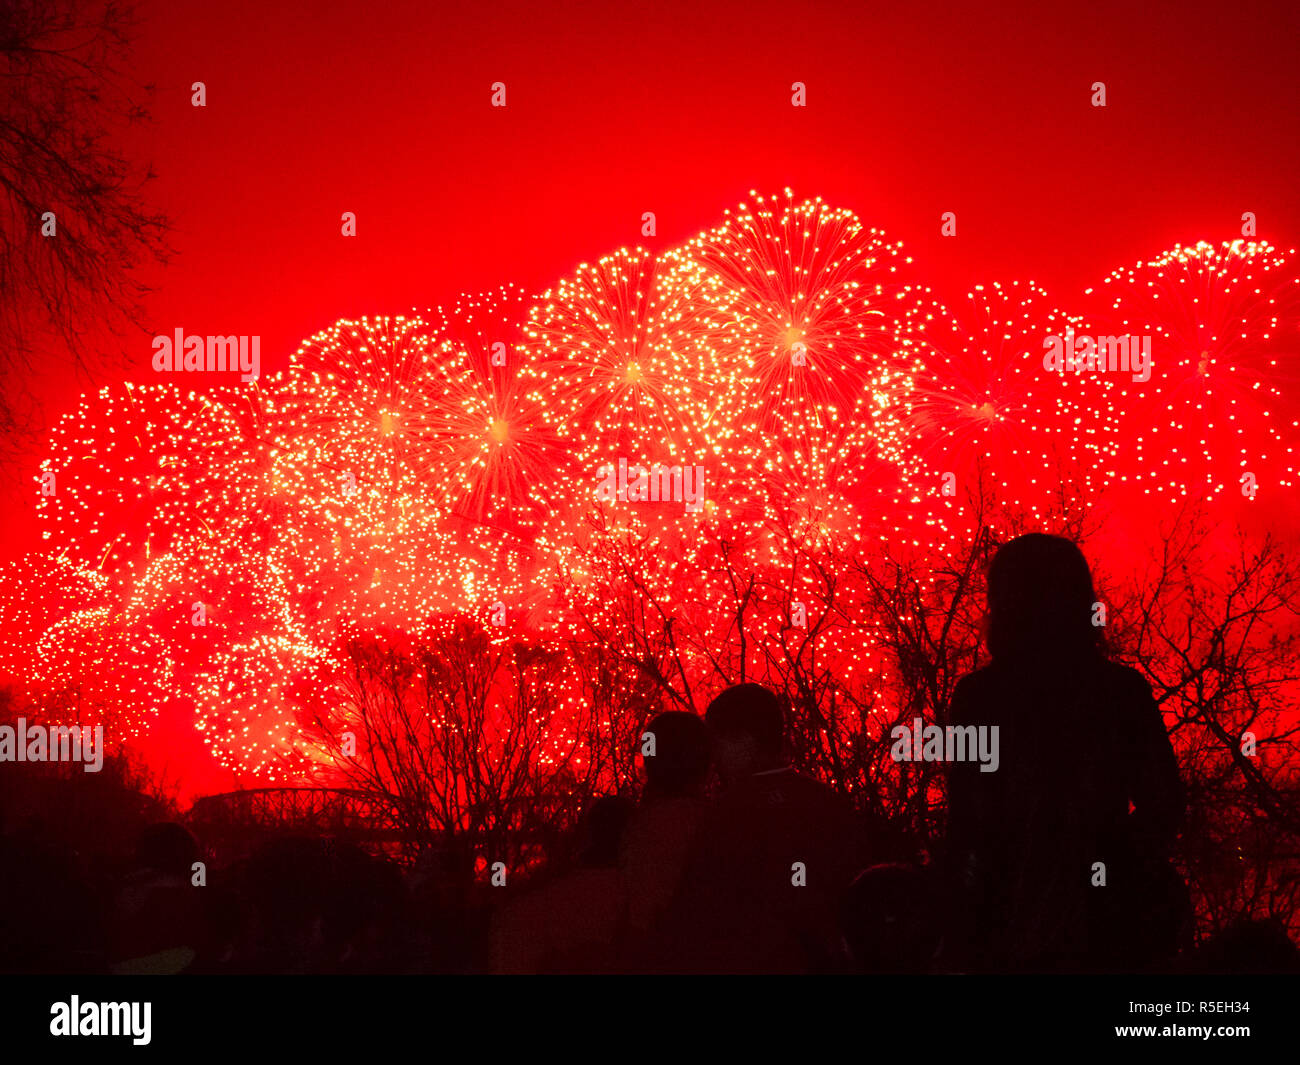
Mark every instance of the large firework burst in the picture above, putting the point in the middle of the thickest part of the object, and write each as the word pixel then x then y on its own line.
pixel 137 466
pixel 813 294
pixel 424 473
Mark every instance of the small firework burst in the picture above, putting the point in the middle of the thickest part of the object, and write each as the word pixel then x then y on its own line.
pixel 617 359
pixel 36 592
pixel 358 402
pixel 101 671
pixel 504 460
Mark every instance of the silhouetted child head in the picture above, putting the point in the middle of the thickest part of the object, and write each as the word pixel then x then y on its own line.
pixel 748 728
pixel 1040 599
pixel 890 921
pixel 679 766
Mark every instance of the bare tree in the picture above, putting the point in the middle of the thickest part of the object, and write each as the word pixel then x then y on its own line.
pixel 465 741
pixel 74 224
pixel 1218 635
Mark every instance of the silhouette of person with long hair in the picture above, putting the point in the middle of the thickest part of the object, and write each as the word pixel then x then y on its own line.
pixel 1058 859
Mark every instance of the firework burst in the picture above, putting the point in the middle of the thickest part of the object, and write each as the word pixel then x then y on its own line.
pixel 1224 322
pixel 813 294
pixel 357 412
pixel 138 466
pixel 987 415
pixel 248 704
pixel 504 460
pixel 619 358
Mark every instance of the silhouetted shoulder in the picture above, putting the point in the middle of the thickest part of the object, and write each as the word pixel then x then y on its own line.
pixel 974 691
pixel 1130 698
pixel 992 678
pixel 1126 679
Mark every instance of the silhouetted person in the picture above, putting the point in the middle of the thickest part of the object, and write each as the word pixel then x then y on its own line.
pixel 158 912
pixel 222 931
pixel 1081 744
pixel 451 930
pixel 663 828
pixel 891 920
pixel 762 888
pixel 289 882
pixel 52 915
pixel 575 922
pixel 1246 947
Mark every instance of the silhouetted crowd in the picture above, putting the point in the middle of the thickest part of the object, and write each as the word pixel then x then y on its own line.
pixel 730 861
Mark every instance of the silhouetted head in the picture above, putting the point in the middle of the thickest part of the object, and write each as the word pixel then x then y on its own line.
pixel 601 830
pixel 1040 599
pixel 167 848
pixel 680 763
pixel 748 727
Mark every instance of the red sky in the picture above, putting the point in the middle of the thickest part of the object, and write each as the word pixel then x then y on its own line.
pixel 616 109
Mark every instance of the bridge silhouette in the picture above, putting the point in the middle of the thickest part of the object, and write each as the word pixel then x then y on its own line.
pixel 232 824
pixel 244 817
